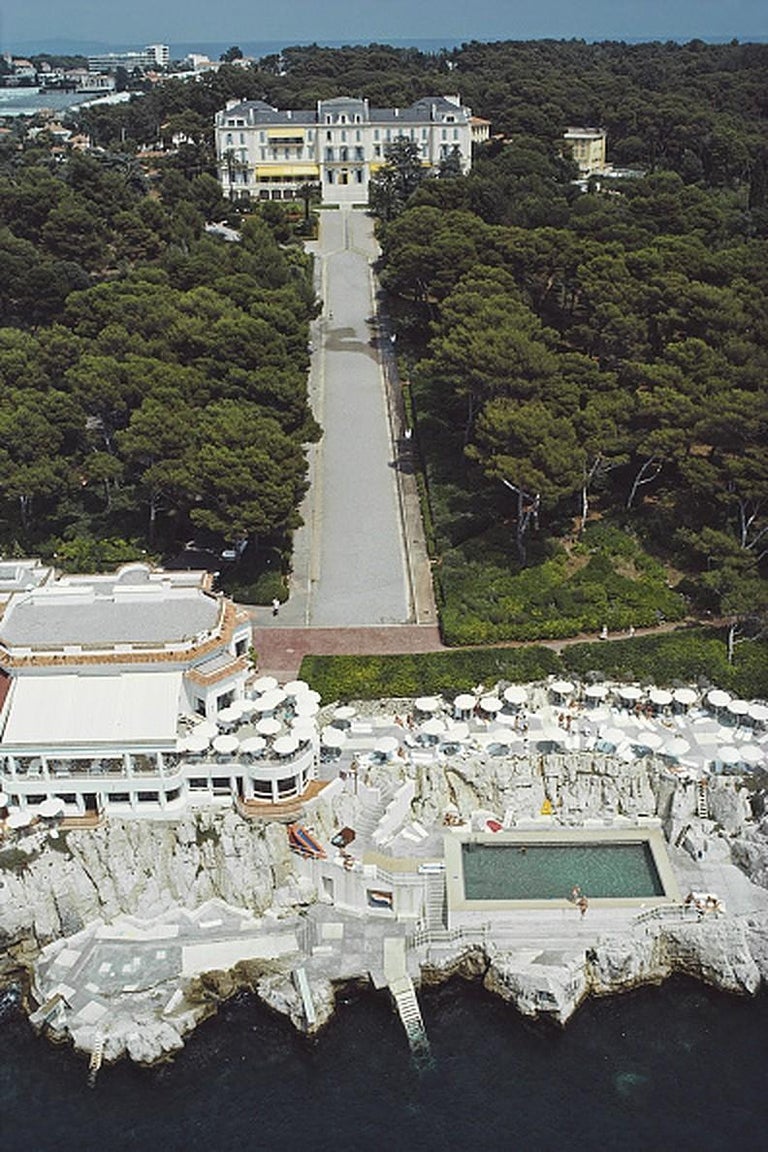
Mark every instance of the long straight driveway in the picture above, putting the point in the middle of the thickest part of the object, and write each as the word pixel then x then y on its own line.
pixel 349 564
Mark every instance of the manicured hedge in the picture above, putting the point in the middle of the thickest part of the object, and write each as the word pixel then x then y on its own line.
pixel 685 656
pixel 369 677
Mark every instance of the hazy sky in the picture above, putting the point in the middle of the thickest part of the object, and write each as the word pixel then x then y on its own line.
pixel 137 22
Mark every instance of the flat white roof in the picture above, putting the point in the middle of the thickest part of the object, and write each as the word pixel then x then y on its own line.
pixel 66 709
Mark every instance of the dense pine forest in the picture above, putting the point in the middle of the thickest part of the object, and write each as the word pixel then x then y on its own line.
pixel 585 368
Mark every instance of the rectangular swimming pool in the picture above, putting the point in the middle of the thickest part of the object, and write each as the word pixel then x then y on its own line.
pixel 490 874
pixel 534 871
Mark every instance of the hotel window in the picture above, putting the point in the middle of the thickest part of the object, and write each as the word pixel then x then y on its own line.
pixel 329 135
pixel 376 134
pixel 119 797
pixel 200 707
pixel 242 137
pixel 358 135
pixel 229 139
pixel 343 136
pixel 262 137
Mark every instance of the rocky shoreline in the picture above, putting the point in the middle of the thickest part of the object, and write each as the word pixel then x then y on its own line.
pixel 131 934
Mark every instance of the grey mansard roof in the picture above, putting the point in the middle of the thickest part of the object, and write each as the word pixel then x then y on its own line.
pixel 428 109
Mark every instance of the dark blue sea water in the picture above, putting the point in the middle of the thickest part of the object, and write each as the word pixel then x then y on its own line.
pixel 678 1067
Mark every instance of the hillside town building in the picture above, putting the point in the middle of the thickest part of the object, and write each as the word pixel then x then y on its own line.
pixel 152 57
pixel 587 146
pixel 267 154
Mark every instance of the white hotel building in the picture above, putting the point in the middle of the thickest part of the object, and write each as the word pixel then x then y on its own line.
pixel 266 154
pixel 103 682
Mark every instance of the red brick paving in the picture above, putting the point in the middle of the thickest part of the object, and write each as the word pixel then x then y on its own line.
pixel 281 650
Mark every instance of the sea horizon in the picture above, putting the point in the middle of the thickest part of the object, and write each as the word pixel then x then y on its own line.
pixel 261 48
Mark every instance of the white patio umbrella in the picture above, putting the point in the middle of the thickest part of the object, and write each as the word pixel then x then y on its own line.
pixel 456 733
pixel 464 702
pixel 386 745
pixel 18 820
pixel 728 754
pixel 630 692
pixel 758 713
pixel 228 715
pixel 717 698
pixel 269 726
pixel 273 698
pixel 660 697
pixel 433 727
pixel 253 745
pixel 205 728
pixel 684 696
pixel 306 708
pixel 751 754
pixel 197 743
pixel 426 704
pixel 305 724
pixel 345 713
pixel 285 745
pixel 3 800
pixel 491 704
pixel 515 694
pixel 225 744
pixel 596 691
pixel 264 684
pixel 295 687
pixel 738 707
pixel 675 747
pixel 51 808
pixel 332 737
pixel 562 687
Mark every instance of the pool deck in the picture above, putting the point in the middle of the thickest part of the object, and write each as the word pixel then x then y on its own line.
pixel 653 837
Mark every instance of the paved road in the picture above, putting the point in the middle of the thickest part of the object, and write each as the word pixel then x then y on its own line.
pixel 350 563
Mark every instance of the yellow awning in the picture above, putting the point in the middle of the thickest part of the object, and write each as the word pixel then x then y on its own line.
pixel 285 133
pixel 287 171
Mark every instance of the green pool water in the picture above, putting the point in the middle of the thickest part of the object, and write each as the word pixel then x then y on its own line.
pixel 551 871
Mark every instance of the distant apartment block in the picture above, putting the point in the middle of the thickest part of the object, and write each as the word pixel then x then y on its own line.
pixel 267 154
pixel 587 146
pixel 153 56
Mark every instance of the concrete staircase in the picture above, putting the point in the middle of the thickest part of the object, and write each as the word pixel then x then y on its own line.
pixel 434 911
pixel 369 816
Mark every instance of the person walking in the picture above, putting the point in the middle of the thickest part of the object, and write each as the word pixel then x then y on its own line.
pixel 275 606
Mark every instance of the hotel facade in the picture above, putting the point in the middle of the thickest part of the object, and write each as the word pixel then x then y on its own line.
pixel 267 154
